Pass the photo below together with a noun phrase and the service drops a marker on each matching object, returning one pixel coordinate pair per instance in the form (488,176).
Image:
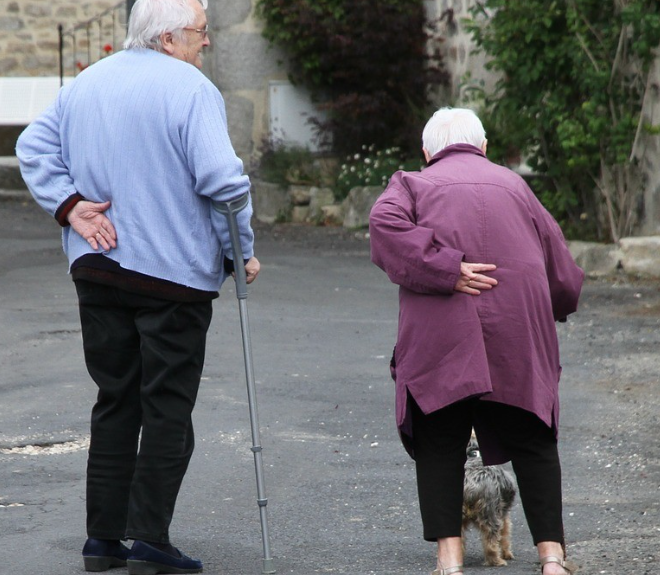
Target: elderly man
(477,345)
(129,160)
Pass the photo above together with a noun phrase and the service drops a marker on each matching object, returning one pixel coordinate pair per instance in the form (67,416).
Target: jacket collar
(456,149)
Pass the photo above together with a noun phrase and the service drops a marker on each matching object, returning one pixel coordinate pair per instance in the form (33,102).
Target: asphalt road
(341,489)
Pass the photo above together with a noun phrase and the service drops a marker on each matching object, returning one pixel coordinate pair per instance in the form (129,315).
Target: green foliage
(573,80)
(372,167)
(282,164)
(366,63)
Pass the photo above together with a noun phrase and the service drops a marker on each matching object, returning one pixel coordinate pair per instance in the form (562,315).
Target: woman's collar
(456,149)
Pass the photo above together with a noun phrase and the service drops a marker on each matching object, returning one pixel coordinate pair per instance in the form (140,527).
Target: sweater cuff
(65,207)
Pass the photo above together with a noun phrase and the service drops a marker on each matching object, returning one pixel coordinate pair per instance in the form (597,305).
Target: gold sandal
(448,571)
(569,567)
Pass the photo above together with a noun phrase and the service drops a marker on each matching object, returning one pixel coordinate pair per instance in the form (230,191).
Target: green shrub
(573,77)
(371,167)
(284,164)
(366,64)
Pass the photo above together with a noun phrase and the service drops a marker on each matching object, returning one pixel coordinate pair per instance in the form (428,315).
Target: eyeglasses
(203,31)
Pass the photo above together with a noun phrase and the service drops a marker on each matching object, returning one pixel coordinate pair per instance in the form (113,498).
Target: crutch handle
(230,209)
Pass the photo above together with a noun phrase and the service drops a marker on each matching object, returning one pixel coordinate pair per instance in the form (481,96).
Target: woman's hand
(472,282)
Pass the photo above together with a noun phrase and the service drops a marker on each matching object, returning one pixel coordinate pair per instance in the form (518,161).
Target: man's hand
(89,220)
(471,282)
(252,270)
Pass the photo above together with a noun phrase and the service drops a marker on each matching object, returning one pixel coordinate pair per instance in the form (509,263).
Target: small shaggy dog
(488,494)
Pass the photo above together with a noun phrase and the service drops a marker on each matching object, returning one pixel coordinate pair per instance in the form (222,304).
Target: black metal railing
(89,41)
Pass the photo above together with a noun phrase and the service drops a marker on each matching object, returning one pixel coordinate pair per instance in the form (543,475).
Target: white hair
(151,18)
(452,126)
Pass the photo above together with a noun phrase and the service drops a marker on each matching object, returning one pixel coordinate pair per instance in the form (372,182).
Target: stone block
(66,12)
(358,204)
(332,215)
(228,13)
(270,201)
(319,198)
(597,260)
(299,195)
(244,61)
(299,214)
(41,10)
(8,65)
(641,256)
(11,24)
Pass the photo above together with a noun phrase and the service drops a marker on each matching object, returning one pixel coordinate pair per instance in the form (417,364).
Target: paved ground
(341,489)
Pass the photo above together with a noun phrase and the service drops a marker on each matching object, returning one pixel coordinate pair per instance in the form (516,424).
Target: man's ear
(484,146)
(166,42)
(427,156)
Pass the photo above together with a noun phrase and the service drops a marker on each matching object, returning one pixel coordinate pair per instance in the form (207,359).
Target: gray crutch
(230,209)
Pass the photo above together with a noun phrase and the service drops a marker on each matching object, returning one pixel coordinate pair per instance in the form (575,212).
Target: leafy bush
(573,80)
(371,167)
(365,62)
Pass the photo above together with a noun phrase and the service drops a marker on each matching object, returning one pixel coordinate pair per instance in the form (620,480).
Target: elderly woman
(477,345)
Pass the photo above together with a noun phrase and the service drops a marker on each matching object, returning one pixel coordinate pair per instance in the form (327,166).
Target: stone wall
(29,39)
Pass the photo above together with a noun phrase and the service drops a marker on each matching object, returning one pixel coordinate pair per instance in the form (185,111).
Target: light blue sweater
(147,132)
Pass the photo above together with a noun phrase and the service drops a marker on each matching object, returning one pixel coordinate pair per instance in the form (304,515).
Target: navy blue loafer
(103,554)
(146,559)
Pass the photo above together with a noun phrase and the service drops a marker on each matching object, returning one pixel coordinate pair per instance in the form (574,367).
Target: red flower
(107,48)
(81,66)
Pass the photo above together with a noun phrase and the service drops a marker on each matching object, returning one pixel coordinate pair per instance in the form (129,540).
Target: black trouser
(440,439)
(146,356)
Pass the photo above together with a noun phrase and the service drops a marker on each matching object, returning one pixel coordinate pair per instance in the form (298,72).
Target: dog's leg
(490,540)
(506,538)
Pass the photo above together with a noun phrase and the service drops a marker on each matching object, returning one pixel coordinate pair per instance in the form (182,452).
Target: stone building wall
(465,67)
(241,63)
(650,155)
(29,39)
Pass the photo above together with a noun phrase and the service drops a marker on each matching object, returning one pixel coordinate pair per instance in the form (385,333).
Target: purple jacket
(501,345)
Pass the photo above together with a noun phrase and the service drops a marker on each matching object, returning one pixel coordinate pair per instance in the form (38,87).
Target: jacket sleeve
(39,151)
(565,277)
(409,254)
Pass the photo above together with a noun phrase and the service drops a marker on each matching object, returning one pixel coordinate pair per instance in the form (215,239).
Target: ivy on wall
(366,63)
(574,75)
